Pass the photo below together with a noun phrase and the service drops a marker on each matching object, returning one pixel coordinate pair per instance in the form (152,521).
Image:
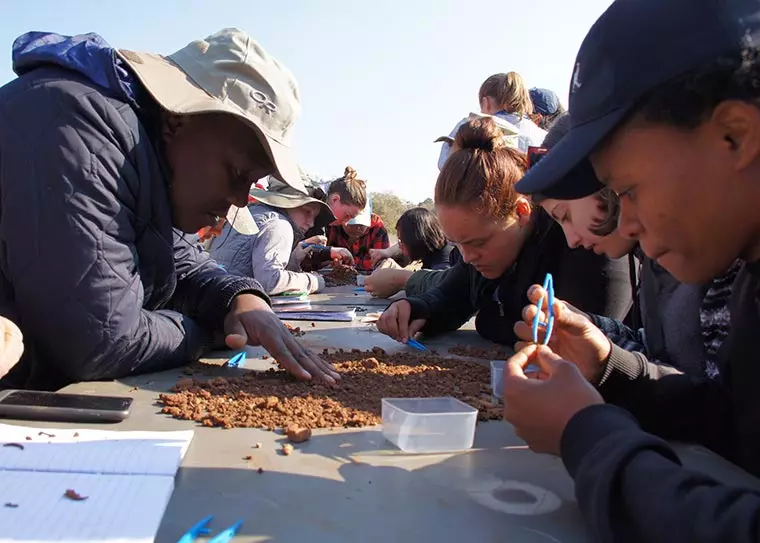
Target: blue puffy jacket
(91,268)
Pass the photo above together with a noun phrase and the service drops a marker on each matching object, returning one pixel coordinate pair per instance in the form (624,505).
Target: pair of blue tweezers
(549,324)
(201,528)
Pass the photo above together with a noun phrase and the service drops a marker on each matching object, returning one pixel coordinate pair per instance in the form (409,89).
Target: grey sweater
(265,256)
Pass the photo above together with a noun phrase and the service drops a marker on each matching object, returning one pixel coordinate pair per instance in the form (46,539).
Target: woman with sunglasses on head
(506,245)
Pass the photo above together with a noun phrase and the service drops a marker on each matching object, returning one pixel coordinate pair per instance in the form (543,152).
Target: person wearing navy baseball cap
(665,102)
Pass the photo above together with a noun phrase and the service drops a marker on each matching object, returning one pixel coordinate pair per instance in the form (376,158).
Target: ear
(524,211)
(171,125)
(739,125)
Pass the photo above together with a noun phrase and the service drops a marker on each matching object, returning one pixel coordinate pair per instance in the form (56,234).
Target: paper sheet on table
(93,451)
(128,478)
(339,316)
(118,508)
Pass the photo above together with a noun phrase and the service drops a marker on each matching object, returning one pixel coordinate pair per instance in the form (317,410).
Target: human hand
(539,409)
(342,254)
(376,255)
(316,240)
(251,321)
(300,252)
(386,282)
(574,337)
(11,345)
(395,322)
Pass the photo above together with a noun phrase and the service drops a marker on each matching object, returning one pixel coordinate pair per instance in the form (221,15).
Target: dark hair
(482,172)
(548,121)
(420,232)
(688,99)
(352,191)
(316,193)
(607,201)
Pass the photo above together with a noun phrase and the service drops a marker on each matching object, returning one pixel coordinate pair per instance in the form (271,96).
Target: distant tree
(389,207)
(427,203)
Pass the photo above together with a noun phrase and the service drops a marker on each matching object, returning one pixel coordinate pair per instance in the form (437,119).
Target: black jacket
(586,280)
(629,484)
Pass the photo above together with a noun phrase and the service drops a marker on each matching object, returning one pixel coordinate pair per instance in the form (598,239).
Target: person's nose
(628,222)
(239,197)
(468,255)
(572,237)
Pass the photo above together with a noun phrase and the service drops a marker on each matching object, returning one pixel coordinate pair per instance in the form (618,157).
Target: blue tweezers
(416,344)
(201,528)
(549,325)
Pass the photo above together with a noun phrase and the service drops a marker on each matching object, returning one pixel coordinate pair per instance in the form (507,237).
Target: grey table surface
(352,485)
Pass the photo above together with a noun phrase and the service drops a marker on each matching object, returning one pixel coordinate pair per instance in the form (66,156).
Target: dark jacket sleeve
(70,194)
(620,334)
(204,290)
(698,410)
(422,281)
(630,486)
(447,306)
(608,294)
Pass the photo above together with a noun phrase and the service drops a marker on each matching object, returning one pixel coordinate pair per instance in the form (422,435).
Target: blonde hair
(352,191)
(509,91)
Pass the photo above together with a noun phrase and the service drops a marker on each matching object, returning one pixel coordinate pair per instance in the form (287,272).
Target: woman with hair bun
(506,245)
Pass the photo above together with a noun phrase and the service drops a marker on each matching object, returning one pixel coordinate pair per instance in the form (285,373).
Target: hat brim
(176,92)
(565,173)
(284,200)
(446,139)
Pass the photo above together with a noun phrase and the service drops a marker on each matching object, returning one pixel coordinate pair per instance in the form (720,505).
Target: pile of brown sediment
(273,399)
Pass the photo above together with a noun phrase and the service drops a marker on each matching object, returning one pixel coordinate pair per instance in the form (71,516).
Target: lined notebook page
(93,451)
(119,508)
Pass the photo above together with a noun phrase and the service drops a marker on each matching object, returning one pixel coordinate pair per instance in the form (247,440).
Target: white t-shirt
(527,134)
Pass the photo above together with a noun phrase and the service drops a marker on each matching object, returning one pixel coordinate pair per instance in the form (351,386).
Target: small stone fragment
(73,495)
(257,446)
(287,449)
(261,470)
(249,457)
(10,505)
(298,435)
(14,445)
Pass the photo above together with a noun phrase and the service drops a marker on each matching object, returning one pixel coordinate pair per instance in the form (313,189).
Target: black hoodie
(582,278)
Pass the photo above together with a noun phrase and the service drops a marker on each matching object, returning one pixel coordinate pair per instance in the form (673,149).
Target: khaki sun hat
(283,196)
(229,72)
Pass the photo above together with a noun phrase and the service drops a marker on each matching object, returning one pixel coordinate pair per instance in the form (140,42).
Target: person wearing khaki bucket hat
(119,155)
(273,255)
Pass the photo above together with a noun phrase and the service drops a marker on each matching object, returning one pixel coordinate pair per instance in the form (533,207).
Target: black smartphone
(55,406)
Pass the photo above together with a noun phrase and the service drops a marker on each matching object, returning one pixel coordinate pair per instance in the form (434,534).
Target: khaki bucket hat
(229,72)
(283,196)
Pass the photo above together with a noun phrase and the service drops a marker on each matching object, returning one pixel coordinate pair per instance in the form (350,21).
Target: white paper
(340,316)
(93,451)
(118,508)
(128,478)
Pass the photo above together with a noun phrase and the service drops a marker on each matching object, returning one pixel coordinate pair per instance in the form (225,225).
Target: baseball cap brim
(176,92)
(446,139)
(565,172)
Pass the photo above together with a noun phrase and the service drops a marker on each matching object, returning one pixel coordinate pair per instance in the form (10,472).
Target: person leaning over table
(359,236)
(677,137)
(678,324)
(420,239)
(506,245)
(107,159)
(282,214)
(346,196)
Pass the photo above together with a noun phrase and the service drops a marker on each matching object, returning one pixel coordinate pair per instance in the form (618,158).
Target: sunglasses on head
(535,154)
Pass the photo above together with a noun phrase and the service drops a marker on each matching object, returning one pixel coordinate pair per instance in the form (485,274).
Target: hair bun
(349,173)
(481,133)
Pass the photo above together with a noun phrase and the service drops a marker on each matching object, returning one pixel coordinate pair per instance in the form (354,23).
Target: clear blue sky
(379,80)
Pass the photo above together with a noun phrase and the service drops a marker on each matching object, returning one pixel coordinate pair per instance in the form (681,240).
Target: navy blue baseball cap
(545,101)
(633,47)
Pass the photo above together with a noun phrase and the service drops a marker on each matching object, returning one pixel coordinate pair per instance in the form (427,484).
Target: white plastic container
(360,280)
(497,377)
(429,425)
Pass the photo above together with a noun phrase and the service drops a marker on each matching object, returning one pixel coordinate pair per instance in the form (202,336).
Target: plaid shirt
(376,237)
